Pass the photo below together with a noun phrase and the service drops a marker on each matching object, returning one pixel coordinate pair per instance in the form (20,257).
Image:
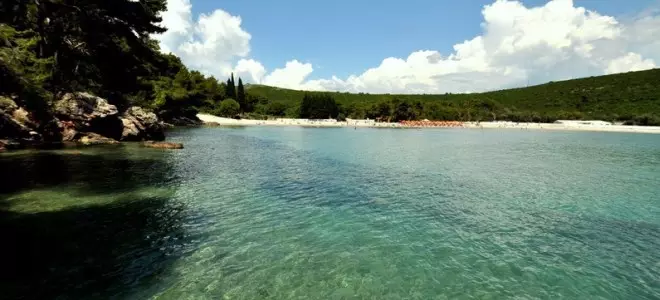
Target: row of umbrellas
(427,123)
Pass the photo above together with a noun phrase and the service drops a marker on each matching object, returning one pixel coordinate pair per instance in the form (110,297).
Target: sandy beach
(214,120)
(571,127)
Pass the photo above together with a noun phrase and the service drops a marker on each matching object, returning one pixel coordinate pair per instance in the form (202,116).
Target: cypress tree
(230,88)
(240,95)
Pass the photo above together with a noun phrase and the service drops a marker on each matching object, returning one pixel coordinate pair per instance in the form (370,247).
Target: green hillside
(630,97)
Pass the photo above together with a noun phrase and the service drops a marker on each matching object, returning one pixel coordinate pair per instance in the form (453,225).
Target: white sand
(210,119)
(206,118)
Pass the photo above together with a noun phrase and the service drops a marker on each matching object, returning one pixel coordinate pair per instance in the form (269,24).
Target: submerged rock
(140,125)
(162,145)
(90,138)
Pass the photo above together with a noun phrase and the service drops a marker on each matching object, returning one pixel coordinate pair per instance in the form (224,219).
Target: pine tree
(240,95)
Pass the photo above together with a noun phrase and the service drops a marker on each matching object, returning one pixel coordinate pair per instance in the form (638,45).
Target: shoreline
(563,127)
(220,121)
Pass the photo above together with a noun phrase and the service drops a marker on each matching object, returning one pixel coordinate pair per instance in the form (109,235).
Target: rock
(162,145)
(11,128)
(23,117)
(10,145)
(185,121)
(212,124)
(84,106)
(68,130)
(140,125)
(90,138)
(89,113)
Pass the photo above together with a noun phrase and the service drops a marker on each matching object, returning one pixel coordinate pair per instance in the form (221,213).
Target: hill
(632,97)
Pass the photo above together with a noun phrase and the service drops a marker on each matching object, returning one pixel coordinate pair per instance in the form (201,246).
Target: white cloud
(209,44)
(629,62)
(291,76)
(250,70)
(518,45)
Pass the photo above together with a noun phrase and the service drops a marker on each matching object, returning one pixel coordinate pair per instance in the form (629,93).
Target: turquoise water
(294,213)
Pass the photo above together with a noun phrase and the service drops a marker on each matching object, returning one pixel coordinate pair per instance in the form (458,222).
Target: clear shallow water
(293,213)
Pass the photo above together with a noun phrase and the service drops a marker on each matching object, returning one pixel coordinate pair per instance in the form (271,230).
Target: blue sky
(324,32)
(415,46)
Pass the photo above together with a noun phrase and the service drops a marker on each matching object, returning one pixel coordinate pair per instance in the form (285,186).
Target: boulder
(89,113)
(69,134)
(162,145)
(90,138)
(140,125)
(12,128)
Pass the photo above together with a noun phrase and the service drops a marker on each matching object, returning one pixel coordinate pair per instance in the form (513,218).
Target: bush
(276,109)
(7,104)
(644,120)
(228,108)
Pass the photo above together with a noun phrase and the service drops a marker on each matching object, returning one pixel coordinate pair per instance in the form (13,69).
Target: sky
(414,46)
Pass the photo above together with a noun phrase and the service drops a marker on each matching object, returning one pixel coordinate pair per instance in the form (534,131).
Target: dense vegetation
(632,97)
(321,106)
(49,47)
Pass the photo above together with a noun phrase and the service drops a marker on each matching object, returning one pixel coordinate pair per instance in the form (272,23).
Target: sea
(336,213)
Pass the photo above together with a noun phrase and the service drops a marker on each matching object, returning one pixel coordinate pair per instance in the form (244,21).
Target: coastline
(220,121)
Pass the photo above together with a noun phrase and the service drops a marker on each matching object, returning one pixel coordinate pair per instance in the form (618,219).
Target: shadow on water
(94,172)
(94,251)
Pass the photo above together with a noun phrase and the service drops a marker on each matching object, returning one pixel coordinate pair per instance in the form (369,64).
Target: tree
(230,88)
(314,106)
(240,96)
(276,109)
(95,45)
(229,108)
(382,110)
(404,111)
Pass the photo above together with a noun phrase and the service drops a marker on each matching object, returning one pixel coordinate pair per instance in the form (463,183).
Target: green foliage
(229,108)
(276,109)
(644,120)
(230,88)
(318,106)
(49,47)
(619,97)
(404,111)
(240,96)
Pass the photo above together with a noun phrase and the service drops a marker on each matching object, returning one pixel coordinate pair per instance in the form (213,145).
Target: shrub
(228,108)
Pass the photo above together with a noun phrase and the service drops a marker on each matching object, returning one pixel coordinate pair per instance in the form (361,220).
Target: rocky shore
(82,119)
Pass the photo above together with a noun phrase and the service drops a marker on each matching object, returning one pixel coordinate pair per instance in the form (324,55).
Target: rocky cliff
(80,118)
